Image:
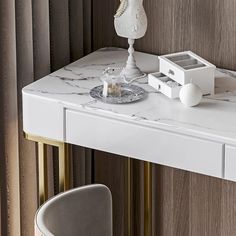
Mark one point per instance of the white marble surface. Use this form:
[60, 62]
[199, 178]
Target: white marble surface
[214, 118]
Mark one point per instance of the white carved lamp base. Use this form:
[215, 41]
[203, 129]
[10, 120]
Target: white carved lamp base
[131, 70]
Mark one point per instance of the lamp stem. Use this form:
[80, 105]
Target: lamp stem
[131, 62]
[131, 70]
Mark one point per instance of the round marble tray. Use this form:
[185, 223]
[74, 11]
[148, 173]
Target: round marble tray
[129, 93]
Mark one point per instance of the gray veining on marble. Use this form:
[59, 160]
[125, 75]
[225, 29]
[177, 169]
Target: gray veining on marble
[215, 118]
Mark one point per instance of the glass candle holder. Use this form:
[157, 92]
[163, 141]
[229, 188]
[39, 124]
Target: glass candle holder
[111, 83]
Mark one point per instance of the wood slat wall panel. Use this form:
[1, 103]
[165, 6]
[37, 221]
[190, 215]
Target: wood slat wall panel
[181, 219]
[59, 33]
[205, 208]
[184, 203]
[111, 171]
[137, 198]
[228, 206]
[163, 207]
[208, 27]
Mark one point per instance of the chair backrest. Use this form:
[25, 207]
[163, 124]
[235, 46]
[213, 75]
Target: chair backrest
[84, 211]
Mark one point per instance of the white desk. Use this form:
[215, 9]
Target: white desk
[157, 130]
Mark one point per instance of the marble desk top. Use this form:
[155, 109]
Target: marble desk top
[214, 118]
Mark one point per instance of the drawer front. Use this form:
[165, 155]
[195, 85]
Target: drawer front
[230, 163]
[172, 71]
[157, 81]
[144, 143]
[42, 117]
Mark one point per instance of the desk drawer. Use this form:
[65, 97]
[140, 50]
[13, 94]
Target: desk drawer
[230, 163]
[144, 143]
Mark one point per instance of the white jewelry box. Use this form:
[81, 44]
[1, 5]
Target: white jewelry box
[186, 67]
[164, 84]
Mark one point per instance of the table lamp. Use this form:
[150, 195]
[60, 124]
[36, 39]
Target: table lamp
[131, 22]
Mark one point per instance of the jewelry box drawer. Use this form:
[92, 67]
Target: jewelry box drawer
[171, 70]
[127, 138]
[164, 85]
[230, 163]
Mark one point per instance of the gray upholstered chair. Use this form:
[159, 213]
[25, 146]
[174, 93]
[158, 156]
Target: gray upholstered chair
[84, 211]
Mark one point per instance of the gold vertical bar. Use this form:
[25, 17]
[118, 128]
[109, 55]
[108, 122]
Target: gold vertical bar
[129, 197]
[43, 172]
[147, 199]
[64, 179]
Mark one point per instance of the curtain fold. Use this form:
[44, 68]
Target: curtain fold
[41, 38]
[9, 122]
[36, 37]
[25, 75]
[59, 33]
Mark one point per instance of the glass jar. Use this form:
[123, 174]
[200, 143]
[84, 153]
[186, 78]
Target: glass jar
[112, 81]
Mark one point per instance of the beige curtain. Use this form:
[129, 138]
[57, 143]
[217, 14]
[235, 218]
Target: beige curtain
[36, 37]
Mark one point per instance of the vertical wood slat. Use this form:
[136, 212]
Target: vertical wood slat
[76, 29]
[81, 166]
[59, 33]
[163, 205]
[228, 207]
[199, 210]
[103, 29]
[1, 215]
[111, 171]
[9, 123]
[206, 202]
[137, 198]
[41, 38]
[181, 219]
[42, 64]
[80, 19]
[88, 25]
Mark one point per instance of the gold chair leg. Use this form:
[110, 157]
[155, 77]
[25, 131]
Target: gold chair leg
[43, 174]
[64, 166]
[147, 199]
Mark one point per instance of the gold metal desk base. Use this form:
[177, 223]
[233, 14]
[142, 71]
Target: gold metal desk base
[147, 199]
[64, 180]
[129, 195]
